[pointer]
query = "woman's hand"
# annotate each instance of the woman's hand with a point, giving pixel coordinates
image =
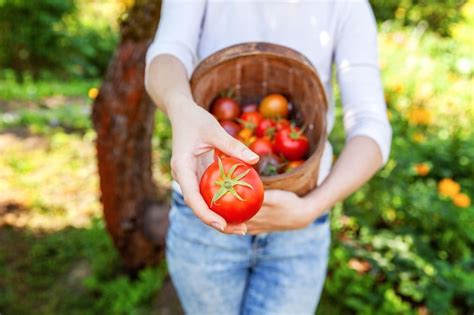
(282, 211)
(195, 133)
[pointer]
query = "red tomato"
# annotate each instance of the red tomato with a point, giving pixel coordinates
(225, 108)
(250, 108)
(265, 128)
(250, 120)
(261, 146)
(269, 165)
(292, 143)
(274, 106)
(292, 165)
(282, 123)
(231, 127)
(232, 189)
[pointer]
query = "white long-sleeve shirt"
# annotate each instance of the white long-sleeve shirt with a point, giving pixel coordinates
(342, 33)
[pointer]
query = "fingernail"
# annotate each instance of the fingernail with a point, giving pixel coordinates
(249, 155)
(239, 232)
(217, 226)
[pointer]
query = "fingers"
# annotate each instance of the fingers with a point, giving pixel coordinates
(233, 147)
(184, 170)
(239, 229)
(186, 177)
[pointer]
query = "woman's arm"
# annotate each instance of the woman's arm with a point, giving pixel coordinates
(359, 161)
(283, 210)
(368, 131)
(195, 132)
(170, 60)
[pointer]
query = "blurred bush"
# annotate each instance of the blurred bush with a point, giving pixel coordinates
(55, 37)
(73, 271)
(438, 14)
(403, 243)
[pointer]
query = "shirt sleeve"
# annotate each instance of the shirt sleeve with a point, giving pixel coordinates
(178, 32)
(358, 76)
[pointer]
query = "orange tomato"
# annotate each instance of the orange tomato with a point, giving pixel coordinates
(274, 106)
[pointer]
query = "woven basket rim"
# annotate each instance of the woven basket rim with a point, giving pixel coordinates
(248, 49)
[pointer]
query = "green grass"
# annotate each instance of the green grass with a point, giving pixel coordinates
(71, 117)
(29, 90)
(70, 271)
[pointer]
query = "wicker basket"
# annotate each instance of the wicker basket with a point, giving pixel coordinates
(253, 70)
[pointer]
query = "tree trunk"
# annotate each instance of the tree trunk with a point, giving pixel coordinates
(123, 117)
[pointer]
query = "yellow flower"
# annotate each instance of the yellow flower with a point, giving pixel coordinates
(420, 116)
(93, 92)
(422, 169)
(448, 187)
(398, 88)
(424, 91)
(461, 200)
(389, 115)
(418, 137)
(400, 13)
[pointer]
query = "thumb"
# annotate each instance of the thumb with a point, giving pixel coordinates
(233, 147)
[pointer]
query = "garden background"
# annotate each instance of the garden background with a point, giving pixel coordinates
(401, 245)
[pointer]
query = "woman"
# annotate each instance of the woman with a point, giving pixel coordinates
(275, 263)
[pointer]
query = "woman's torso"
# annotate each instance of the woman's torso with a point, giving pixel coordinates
(306, 26)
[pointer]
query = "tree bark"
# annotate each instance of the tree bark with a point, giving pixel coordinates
(123, 117)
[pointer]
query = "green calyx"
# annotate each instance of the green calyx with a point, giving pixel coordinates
(270, 132)
(294, 133)
(227, 182)
(247, 124)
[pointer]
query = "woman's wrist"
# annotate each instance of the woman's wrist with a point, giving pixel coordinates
(177, 103)
(317, 202)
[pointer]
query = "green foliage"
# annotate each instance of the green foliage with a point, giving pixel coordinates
(399, 244)
(38, 90)
(121, 295)
(46, 120)
(162, 141)
(22, 45)
(50, 36)
(83, 261)
(439, 15)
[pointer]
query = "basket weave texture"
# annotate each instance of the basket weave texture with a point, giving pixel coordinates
(253, 70)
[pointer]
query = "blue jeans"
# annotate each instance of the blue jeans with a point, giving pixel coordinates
(268, 274)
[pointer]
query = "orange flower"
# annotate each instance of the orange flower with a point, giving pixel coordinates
(93, 92)
(361, 266)
(422, 169)
(461, 200)
(420, 116)
(448, 187)
(418, 137)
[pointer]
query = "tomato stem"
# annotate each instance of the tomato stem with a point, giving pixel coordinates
(227, 182)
